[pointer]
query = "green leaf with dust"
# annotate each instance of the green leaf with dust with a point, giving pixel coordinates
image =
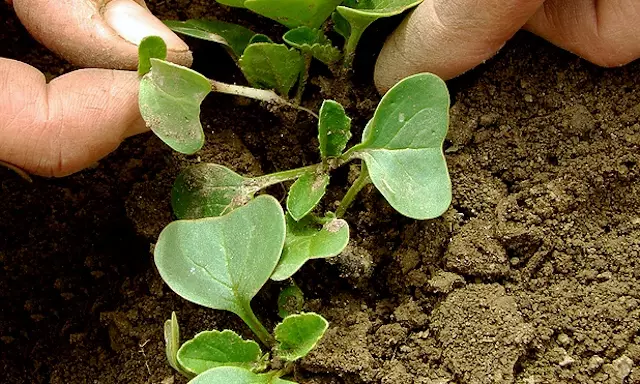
(209, 190)
(306, 193)
(272, 66)
(334, 129)
(151, 47)
(402, 147)
(233, 36)
(172, 344)
(314, 42)
(232, 3)
(290, 301)
(298, 335)
(222, 262)
(169, 98)
(307, 240)
(361, 13)
(210, 349)
(237, 375)
(294, 13)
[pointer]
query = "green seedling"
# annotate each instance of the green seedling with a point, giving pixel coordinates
(221, 263)
(228, 243)
(355, 16)
(272, 66)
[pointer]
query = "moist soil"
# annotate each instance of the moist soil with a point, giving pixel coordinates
(532, 275)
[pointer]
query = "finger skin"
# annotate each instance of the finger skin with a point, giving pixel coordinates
(62, 127)
(80, 30)
(449, 37)
(606, 33)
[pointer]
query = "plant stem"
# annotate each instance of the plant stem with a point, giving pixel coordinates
(256, 326)
(278, 177)
(254, 93)
(350, 46)
(362, 180)
(304, 76)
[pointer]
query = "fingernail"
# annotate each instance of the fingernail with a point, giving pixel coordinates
(133, 23)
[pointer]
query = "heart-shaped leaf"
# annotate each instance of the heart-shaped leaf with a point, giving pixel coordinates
(169, 98)
(234, 36)
(210, 349)
(222, 262)
(334, 129)
(314, 42)
(236, 375)
(361, 13)
(306, 240)
(272, 66)
(151, 47)
(402, 147)
(294, 13)
(306, 193)
(299, 334)
(209, 190)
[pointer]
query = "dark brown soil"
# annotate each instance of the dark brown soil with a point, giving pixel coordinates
(532, 276)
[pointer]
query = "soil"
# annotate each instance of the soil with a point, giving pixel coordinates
(532, 275)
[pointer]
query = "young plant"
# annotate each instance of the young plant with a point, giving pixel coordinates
(221, 263)
(228, 242)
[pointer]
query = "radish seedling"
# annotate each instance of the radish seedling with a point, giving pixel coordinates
(228, 242)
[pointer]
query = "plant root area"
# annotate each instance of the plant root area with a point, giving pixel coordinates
(532, 275)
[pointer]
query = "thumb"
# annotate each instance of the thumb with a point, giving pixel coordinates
(97, 33)
(62, 127)
(449, 37)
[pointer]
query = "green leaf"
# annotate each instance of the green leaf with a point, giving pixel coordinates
(222, 262)
(402, 147)
(169, 98)
(209, 190)
(260, 38)
(306, 193)
(210, 349)
(306, 240)
(361, 13)
(272, 66)
(290, 301)
(150, 47)
(232, 3)
(299, 334)
(314, 42)
(237, 375)
(234, 36)
(334, 129)
(294, 13)
(341, 25)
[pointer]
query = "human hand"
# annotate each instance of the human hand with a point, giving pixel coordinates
(449, 37)
(62, 127)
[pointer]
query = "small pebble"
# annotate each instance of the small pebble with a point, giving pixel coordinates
(595, 362)
(623, 366)
(566, 361)
(564, 339)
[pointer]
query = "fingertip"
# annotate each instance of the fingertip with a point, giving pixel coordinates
(449, 37)
(97, 33)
